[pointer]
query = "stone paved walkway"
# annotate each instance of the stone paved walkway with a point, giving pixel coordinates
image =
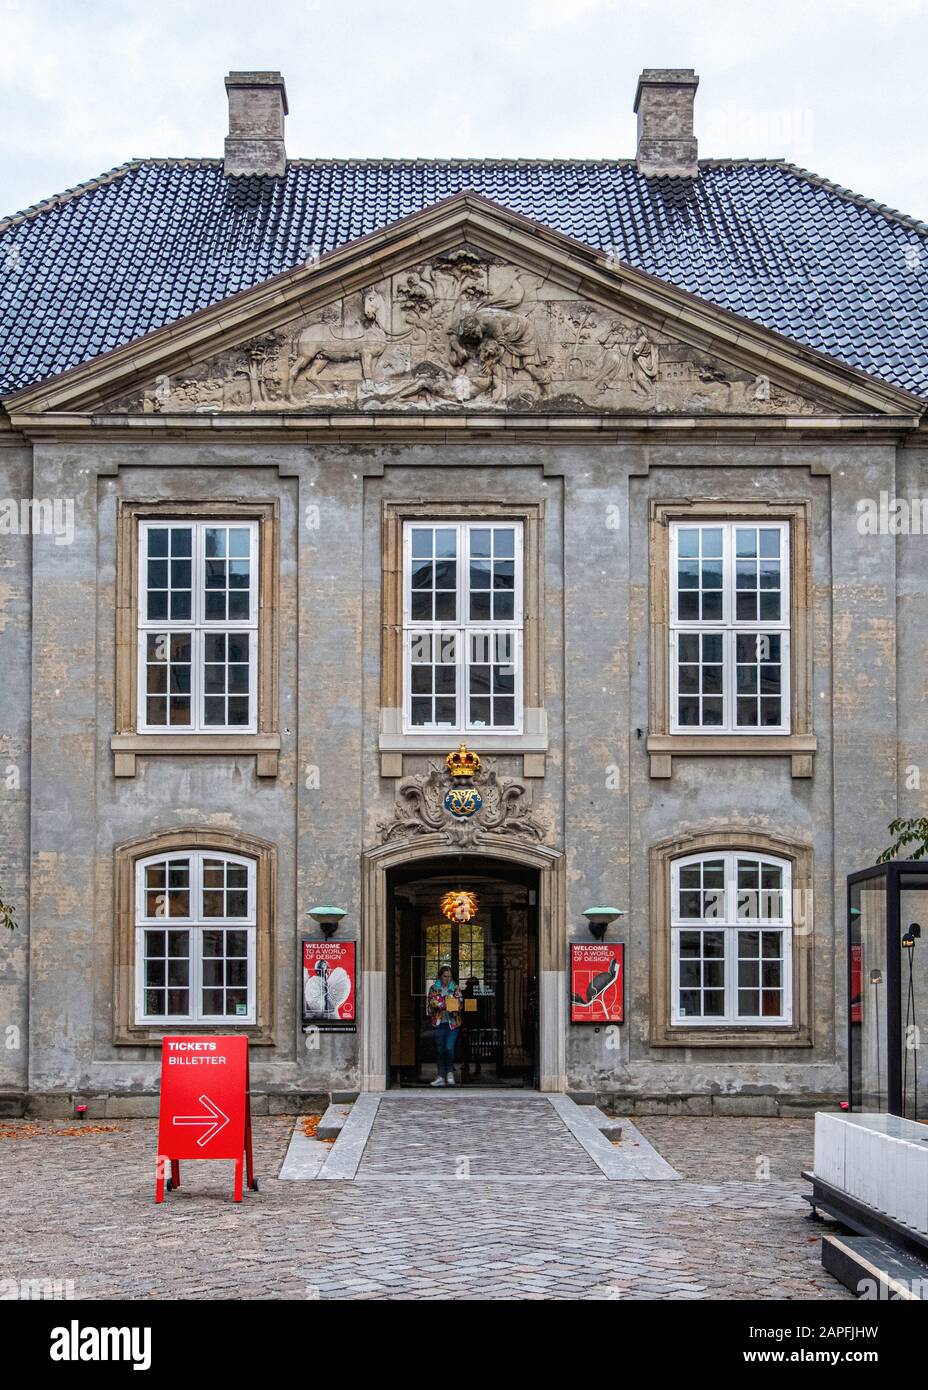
(81, 1209)
(477, 1136)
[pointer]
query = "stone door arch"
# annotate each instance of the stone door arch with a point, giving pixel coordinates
(552, 920)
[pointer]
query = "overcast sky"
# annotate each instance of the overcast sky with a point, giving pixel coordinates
(837, 86)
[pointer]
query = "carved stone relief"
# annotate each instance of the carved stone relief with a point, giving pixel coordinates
(421, 808)
(461, 330)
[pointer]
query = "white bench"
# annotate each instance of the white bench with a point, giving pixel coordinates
(879, 1160)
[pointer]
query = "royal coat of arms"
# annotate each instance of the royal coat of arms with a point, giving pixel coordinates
(477, 804)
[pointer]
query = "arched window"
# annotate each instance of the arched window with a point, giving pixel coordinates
(731, 939)
(195, 927)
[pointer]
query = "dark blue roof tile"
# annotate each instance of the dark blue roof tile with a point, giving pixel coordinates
(157, 240)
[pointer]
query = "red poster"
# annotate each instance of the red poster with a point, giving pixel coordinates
(329, 995)
(205, 1110)
(597, 982)
(857, 982)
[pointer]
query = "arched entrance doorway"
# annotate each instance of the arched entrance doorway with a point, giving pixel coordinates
(524, 931)
(493, 958)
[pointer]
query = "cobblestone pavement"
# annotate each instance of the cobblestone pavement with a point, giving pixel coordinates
(81, 1209)
(442, 1135)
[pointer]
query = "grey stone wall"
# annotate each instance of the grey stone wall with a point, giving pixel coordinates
(322, 809)
(15, 664)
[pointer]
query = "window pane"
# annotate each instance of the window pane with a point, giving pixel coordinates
(433, 672)
(771, 974)
(168, 580)
(711, 607)
(749, 973)
(168, 665)
(759, 676)
(225, 973)
(491, 675)
(688, 574)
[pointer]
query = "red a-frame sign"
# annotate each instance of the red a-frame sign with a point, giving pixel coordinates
(205, 1106)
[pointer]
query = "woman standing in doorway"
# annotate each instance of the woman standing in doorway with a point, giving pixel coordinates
(445, 1004)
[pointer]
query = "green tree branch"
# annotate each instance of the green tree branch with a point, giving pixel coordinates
(907, 832)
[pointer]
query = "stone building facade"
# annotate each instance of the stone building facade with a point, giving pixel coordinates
(313, 472)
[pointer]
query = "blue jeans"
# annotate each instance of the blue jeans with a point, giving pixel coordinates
(446, 1039)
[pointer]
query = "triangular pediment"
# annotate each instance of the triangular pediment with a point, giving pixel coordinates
(465, 307)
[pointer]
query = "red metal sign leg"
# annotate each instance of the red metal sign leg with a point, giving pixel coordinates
(238, 1179)
(249, 1156)
(175, 1174)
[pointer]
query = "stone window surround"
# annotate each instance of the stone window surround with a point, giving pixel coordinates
(126, 1031)
(127, 743)
(799, 745)
(532, 743)
(663, 1033)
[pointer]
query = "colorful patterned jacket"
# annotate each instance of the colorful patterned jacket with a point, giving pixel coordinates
(438, 1008)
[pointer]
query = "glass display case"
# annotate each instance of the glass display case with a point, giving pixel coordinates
(888, 988)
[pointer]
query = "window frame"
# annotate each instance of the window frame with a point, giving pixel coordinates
(211, 843)
(808, 948)
(729, 627)
(195, 924)
(663, 742)
(198, 626)
(128, 742)
(731, 925)
(463, 627)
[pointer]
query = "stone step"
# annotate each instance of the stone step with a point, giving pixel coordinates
(873, 1268)
(611, 1129)
(330, 1126)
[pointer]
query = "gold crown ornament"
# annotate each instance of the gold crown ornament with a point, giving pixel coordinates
(463, 763)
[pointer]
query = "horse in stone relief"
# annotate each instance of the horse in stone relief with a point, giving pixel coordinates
(318, 346)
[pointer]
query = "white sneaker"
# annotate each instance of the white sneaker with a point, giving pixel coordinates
(450, 1080)
(439, 1081)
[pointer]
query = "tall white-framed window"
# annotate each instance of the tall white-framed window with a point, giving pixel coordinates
(195, 928)
(462, 626)
(731, 939)
(729, 627)
(197, 626)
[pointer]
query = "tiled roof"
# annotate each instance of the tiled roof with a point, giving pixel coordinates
(155, 240)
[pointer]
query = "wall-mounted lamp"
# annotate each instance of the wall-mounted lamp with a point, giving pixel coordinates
(598, 919)
(327, 918)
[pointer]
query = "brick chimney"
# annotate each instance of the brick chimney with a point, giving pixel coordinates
(257, 107)
(664, 106)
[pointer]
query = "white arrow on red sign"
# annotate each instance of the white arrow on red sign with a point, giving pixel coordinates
(215, 1121)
